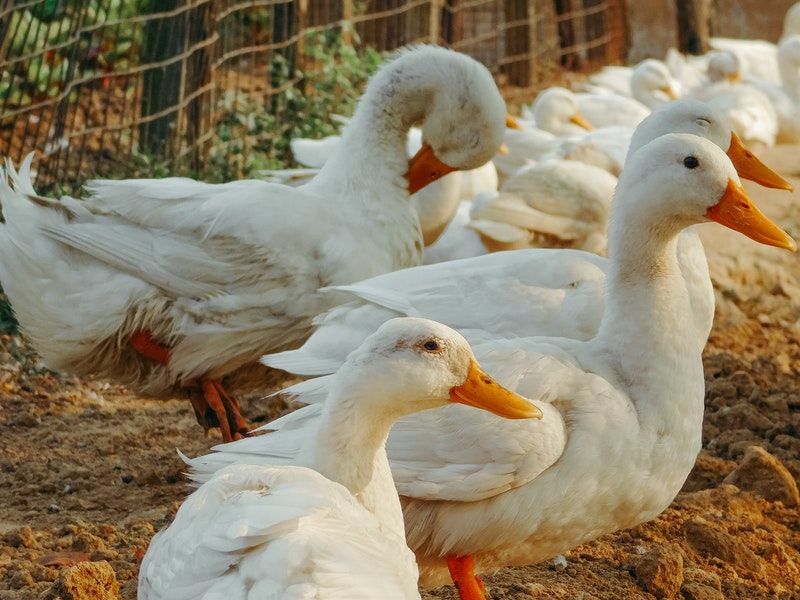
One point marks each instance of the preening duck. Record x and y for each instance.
(621, 430)
(173, 283)
(524, 292)
(436, 203)
(327, 524)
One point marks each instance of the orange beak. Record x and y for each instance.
(577, 119)
(512, 123)
(736, 211)
(481, 391)
(750, 167)
(425, 168)
(670, 92)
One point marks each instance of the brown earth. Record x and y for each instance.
(90, 472)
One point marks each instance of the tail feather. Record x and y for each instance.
(298, 363)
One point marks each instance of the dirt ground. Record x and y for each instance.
(91, 470)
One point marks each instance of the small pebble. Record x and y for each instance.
(560, 562)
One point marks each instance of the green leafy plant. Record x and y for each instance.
(254, 132)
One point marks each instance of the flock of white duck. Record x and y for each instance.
(593, 408)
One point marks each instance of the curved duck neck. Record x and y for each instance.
(372, 153)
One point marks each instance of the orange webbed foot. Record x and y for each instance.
(215, 407)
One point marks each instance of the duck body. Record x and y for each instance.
(512, 294)
(785, 97)
(606, 110)
(290, 532)
(555, 203)
(650, 84)
(174, 282)
(217, 285)
(759, 58)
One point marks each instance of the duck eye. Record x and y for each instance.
(690, 162)
(431, 346)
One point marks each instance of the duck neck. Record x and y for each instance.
(648, 330)
(350, 448)
(694, 269)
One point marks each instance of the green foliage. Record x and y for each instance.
(41, 35)
(254, 134)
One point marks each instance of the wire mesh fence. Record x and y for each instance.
(218, 87)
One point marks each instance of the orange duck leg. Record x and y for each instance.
(462, 571)
(213, 406)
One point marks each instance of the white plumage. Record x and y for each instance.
(436, 203)
(561, 203)
(217, 274)
(289, 533)
(265, 531)
(620, 432)
(511, 294)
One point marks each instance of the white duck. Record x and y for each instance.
(167, 283)
(785, 98)
(605, 148)
(330, 525)
(749, 110)
(620, 431)
(554, 114)
(650, 82)
(555, 203)
(556, 111)
(525, 292)
(526, 144)
(759, 59)
(651, 85)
